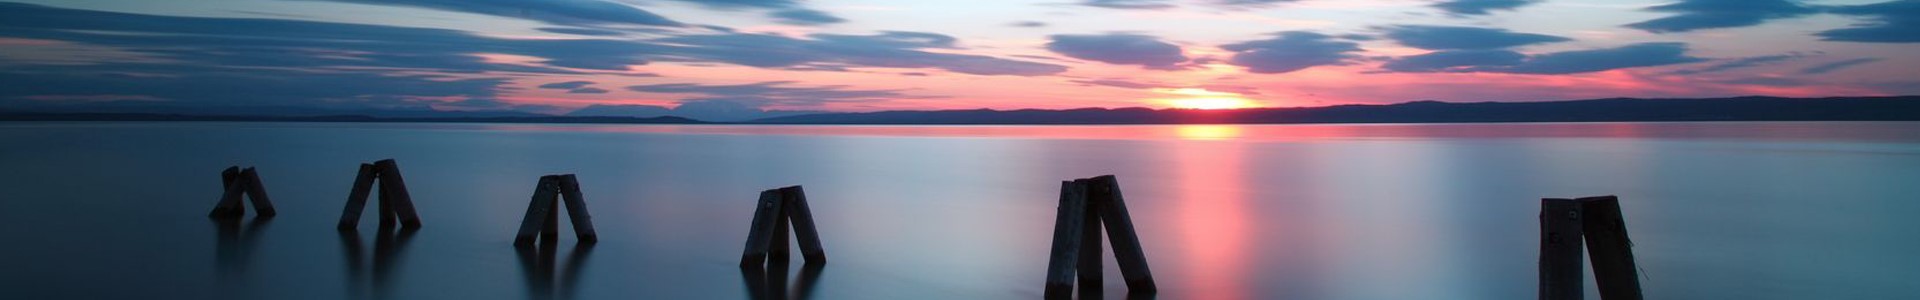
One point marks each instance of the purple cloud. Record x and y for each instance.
(1120, 49)
(1291, 51)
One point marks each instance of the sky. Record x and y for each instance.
(743, 59)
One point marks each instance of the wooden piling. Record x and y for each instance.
(550, 229)
(1561, 250)
(1089, 268)
(804, 229)
(1127, 251)
(233, 188)
(538, 210)
(1068, 225)
(778, 251)
(577, 209)
(760, 235)
(396, 187)
(257, 191)
(1612, 254)
(357, 198)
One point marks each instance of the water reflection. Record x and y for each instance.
(770, 281)
(538, 262)
(234, 246)
(1211, 215)
(1208, 132)
(388, 243)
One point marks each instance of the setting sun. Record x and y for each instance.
(1204, 99)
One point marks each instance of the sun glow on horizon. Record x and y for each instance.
(1199, 98)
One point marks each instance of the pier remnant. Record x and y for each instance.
(1592, 224)
(543, 212)
(238, 183)
(395, 204)
(1086, 204)
(767, 239)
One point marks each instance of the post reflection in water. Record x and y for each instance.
(770, 281)
(1210, 211)
(538, 262)
(388, 244)
(233, 247)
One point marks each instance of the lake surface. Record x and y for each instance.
(1745, 210)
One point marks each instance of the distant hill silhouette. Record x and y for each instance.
(1899, 108)
(6, 116)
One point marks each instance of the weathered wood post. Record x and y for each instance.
(768, 237)
(395, 205)
(1560, 250)
(1564, 225)
(238, 183)
(1086, 204)
(1068, 223)
(542, 221)
(1611, 250)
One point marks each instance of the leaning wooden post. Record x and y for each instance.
(257, 190)
(394, 186)
(1560, 250)
(1612, 254)
(767, 238)
(232, 189)
(538, 210)
(1068, 223)
(803, 226)
(1088, 269)
(760, 235)
(357, 198)
(577, 209)
(1126, 244)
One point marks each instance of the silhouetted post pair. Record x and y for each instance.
(239, 182)
(1564, 225)
(543, 213)
(395, 203)
(1086, 204)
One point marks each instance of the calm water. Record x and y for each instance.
(1717, 210)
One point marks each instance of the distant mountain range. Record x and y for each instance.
(6, 116)
(1897, 108)
(1901, 108)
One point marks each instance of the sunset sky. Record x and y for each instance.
(731, 59)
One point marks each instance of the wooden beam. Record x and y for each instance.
(1560, 250)
(577, 209)
(804, 228)
(257, 191)
(538, 208)
(357, 198)
(550, 229)
(1612, 251)
(779, 251)
(1089, 273)
(396, 187)
(233, 188)
(1126, 244)
(760, 234)
(1068, 224)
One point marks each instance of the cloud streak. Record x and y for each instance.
(1480, 7)
(1557, 63)
(1120, 49)
(1691, 15)
(1459, 37)
(1291, 51)
(1888, 22)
